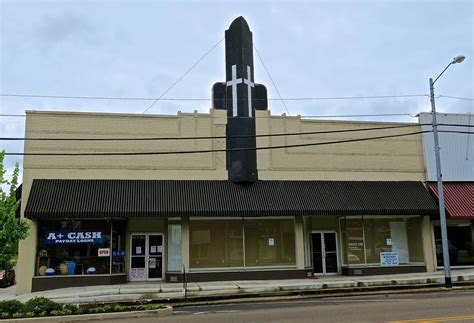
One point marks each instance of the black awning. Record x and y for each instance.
(98, 199)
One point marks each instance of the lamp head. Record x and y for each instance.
(458, 59)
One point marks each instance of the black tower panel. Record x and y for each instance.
(261, 100)
(218, 95)
(241, 164)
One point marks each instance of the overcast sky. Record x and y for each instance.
(311, 49)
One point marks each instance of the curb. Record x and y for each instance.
(320, 293)
(329, 294)
(100, 316)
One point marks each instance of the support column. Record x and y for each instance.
(185, 243)
(25, 267)
(299, 242)
(428, 247)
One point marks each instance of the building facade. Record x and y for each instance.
(330, 209)
(235, 193)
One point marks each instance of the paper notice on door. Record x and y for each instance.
(153, 249)
(152, 263)
(160, 248)
(271, 241)
(138, 250)
(137, 273)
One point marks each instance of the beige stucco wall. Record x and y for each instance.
(391, 159)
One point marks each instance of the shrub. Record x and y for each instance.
(120, 308)
(98, 309)
(56, 312)
(11, 307)
(4, 315)
(17, 315)
(41, 306)
(70, 309)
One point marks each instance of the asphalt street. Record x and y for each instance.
(455, 306)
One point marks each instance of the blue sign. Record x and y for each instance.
(73, 237)
(118, 253)
(389, 259)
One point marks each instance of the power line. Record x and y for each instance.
(210, 99)
(184, 74)
(210, 137)
(413, 115)
(217, 150)
(271, 79)
(230, 137)
(455, 97)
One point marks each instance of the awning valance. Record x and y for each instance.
(53, 199)
(458, 199)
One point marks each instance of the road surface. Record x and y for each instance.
(456, 306)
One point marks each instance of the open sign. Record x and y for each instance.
(104, 252)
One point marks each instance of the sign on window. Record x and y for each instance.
(389, 259)
(74, 237)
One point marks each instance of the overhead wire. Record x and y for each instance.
(210, 137)
(230, 137)
(210, 99)
(409, 114)
(217, 150)
(271, 79)
(455, 97)
(183, 75)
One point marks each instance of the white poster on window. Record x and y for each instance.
(399, 238)
(137, 273)
(153, 249)
(160, 249)
(389, 259)
(152, 263)
(271, 241)
(138, 250)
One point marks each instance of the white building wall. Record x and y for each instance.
(457, 150)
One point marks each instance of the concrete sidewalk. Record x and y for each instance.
(175, 292)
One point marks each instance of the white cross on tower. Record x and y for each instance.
(250, 85)
(234, 83)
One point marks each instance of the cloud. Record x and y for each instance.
(64, 26)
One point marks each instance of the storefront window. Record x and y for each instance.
(460, 243)
(221, 243)
(269, 242)
(80, 248)
(382, 241)
(174, 247)
(216, 243)
(118, 247)
(353, 241)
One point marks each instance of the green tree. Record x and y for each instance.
(12, 230)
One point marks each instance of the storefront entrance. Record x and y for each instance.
(147, 256)
(324, 252)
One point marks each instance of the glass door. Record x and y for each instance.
(138, 257)
(317, 253)
(330, 253)
(146, 256)
(324, 253)
(155, 256)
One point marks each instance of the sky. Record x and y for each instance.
(139, 48)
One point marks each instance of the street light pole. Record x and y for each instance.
(439, 175)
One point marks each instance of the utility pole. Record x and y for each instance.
(439, 176)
